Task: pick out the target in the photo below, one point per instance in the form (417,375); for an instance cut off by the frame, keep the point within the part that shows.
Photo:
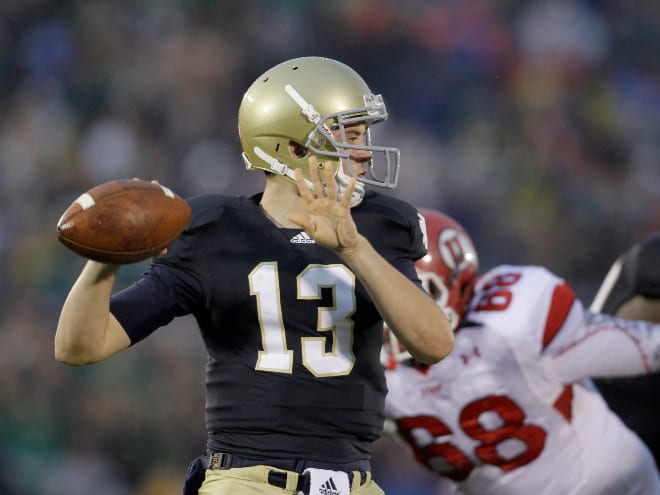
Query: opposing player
(289,288)
(512,410)
(631,289)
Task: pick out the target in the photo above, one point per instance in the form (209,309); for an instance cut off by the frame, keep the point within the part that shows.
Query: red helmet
(449,269)
(448,273)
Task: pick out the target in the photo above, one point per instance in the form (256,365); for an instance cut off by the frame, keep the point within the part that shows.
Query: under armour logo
(475,354)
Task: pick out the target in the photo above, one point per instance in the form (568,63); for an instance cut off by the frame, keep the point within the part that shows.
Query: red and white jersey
(512,410)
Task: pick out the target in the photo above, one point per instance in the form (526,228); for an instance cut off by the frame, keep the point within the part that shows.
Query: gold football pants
(254,481)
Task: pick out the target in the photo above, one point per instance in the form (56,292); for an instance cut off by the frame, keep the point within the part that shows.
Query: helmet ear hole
(297,150)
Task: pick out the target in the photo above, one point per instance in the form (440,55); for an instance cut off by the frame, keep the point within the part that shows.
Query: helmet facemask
(382,170)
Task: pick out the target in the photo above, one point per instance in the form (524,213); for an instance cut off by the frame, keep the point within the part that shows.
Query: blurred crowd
(534,123)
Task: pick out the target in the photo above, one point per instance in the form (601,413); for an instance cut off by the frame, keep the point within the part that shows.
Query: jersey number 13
(275,356)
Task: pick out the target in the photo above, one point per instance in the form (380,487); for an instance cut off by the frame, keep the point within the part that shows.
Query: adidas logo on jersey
(329,487)
(302,238)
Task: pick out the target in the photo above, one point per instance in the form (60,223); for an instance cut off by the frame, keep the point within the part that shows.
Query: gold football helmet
(302,101)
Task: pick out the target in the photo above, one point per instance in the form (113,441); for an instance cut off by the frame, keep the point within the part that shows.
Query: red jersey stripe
(562,301)
(564,403)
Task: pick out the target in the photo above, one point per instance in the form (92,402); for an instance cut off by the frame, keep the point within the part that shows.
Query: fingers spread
(304,191)
(330,183)
(315,174)
(348,193)
(324,185)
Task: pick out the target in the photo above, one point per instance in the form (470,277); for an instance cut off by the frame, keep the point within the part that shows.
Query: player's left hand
(329,221)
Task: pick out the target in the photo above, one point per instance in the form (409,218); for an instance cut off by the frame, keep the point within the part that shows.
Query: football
(123,221)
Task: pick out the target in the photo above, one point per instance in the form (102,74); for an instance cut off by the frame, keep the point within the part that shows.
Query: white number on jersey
(336,319)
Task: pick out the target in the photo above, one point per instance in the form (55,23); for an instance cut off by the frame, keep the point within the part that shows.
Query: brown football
(123,221)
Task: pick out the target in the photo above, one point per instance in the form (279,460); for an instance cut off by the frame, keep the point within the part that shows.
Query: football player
(628,290)
(512,410)
(289,289)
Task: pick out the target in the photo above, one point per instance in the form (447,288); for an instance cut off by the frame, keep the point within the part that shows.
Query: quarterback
(289,288)
(513,410)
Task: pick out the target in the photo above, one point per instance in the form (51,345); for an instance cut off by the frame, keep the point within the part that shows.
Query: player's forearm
(410,313)
(86,331)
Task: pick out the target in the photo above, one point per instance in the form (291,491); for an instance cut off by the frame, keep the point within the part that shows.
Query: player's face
(355,134)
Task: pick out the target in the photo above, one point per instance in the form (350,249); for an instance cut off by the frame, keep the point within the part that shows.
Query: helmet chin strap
(280,168)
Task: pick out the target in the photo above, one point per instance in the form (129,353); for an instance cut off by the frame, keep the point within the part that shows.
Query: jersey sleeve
(573,342)
(590,345)
(418,242)
(393,228)
(160,295)
(417,247)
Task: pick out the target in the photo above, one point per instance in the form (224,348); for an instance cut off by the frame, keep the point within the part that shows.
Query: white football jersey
(512,410)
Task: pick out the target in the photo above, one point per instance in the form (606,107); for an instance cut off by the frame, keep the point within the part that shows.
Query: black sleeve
(407,267)
(636,272)
(406,264)
(392,226)
(154,300)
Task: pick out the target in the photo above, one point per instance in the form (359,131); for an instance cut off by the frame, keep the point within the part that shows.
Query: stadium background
(535,123)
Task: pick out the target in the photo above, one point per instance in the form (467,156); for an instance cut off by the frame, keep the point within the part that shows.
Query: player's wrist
(355,250)
(101,270)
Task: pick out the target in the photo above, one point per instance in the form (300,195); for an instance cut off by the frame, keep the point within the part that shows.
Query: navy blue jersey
(293,338)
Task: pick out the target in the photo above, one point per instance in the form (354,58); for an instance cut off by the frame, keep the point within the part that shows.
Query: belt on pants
(223,460)
(278,479)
